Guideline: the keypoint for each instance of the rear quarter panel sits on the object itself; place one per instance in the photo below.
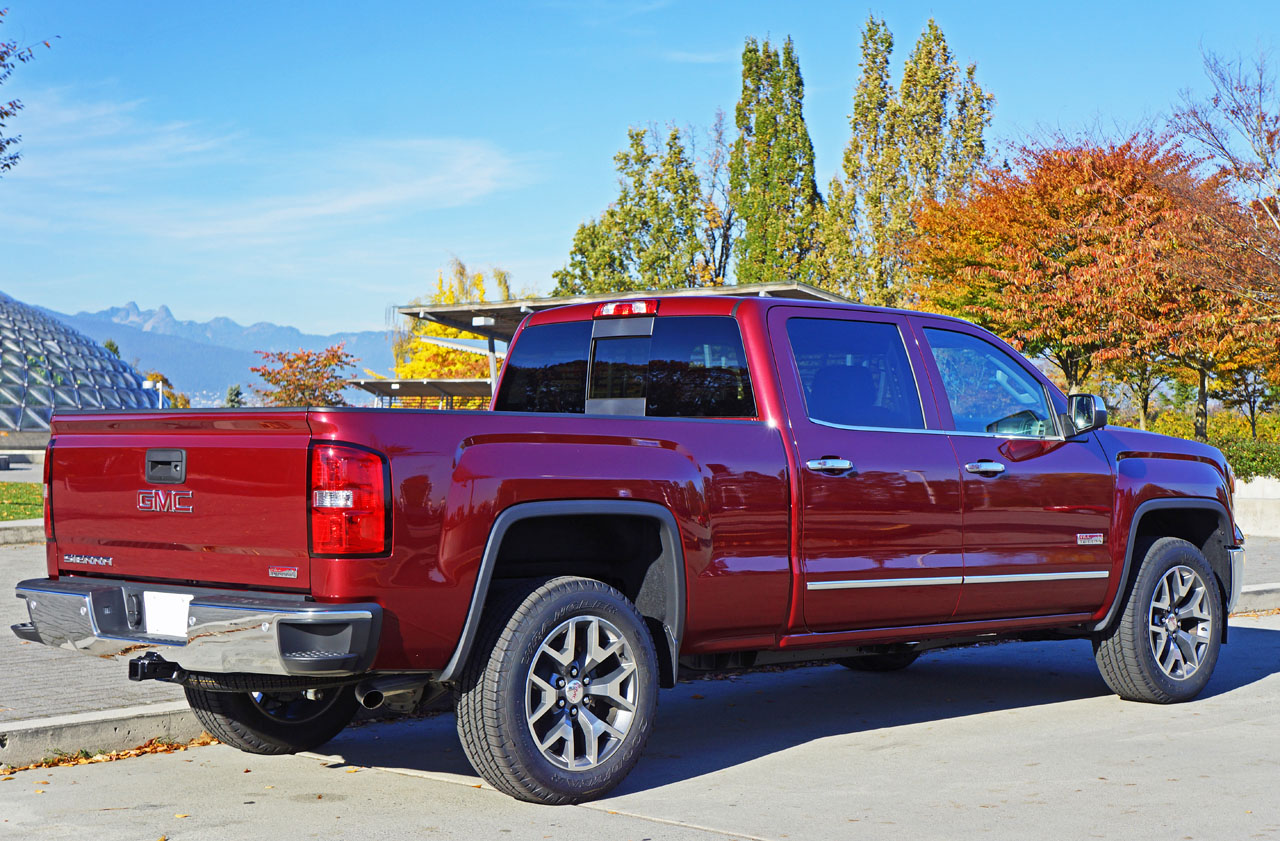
(452, 473)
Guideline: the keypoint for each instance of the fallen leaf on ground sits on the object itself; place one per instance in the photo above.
(149, 747)
(182, 815)
(353, 770)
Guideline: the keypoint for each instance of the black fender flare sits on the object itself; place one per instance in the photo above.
(1202, 503)
(672, 559)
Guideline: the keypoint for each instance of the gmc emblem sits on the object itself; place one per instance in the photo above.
(174, 502)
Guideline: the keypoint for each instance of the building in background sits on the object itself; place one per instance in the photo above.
(46, 366)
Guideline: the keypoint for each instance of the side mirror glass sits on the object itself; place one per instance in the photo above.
(1087, 412)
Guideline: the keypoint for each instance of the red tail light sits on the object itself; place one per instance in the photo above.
(48, 500)
(613, 309)
(348, 501)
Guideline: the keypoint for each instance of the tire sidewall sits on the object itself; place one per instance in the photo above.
(1163, 556)
(527, 637)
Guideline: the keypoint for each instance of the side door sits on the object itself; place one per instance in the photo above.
(879, 506)
(1037, 506)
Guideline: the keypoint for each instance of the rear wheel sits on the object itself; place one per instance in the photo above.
(1165, 644)
(559, 699)
(274, 722)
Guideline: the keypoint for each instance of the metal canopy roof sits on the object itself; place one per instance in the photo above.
(507, 315)
(400, 389)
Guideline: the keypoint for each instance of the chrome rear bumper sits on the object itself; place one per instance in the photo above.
(226, 631)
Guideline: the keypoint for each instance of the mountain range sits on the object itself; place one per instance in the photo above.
(203, 358)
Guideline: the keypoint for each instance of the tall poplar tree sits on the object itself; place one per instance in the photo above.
(771, 179)
(922, 141)
(650, 237)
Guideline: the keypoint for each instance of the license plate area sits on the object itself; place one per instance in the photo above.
(165, 614)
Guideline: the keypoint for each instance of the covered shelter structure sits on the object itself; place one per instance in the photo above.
(497, 321)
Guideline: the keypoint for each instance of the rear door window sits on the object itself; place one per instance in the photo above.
(855, 373)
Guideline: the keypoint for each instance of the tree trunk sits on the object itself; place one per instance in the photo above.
(1202, 407)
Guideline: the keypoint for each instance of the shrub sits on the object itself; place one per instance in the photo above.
(1250, 458)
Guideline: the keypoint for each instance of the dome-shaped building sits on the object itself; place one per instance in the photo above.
(46, 365)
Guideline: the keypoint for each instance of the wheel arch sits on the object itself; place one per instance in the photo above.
(657, 590)
(1176, 517)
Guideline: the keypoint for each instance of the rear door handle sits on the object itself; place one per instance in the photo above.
(829, 465)
(984, 467)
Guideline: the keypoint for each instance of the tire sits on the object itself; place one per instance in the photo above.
(889, 661)
(273, 722)
(559, 696)
(1165, 643)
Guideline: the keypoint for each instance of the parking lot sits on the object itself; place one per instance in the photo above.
(1005, 741)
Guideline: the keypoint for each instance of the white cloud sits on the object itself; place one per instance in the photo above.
(101, 165)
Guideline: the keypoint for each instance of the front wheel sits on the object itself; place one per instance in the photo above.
(274, 722)
(559, 699)
(1165, 644)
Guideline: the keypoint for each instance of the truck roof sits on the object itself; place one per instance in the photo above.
(678, 305)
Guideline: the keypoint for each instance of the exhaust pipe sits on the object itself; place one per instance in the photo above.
(372, 694)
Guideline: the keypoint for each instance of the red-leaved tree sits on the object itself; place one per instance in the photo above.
(304, 377)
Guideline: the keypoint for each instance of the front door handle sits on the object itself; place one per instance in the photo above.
(985, 467)
(829, 464)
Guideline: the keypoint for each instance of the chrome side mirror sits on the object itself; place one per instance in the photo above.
(1087, 412)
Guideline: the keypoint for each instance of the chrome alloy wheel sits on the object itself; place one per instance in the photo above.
(1180, 622)
(580, 695)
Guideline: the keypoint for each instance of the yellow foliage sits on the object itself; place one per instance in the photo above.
(417, 359)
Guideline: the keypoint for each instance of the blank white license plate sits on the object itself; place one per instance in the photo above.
(166, 613)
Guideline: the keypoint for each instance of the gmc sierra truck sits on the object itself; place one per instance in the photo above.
(661, 484)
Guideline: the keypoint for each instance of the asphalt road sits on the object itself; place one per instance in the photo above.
(1006, 741)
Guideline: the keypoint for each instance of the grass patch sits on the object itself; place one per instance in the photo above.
(21, 500)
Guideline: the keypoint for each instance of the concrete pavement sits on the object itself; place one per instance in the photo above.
(58, 700)
(1009, 742)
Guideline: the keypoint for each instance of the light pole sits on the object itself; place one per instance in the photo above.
(159, 387)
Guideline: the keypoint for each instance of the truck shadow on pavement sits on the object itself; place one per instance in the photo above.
(707, 725)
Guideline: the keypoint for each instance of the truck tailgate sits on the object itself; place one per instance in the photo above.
(234, 512)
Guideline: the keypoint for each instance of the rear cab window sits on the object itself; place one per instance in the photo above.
(672, 366)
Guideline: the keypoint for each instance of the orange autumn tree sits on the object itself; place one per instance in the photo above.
(1083, 252)
(1052, 253)
(304, 377)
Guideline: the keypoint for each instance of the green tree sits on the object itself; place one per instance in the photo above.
(111, 347)
(304, 377)
(771, 176)
(650, 236)
(11, 55)
(1139, 377)
(1250, 390)
(235, 397)
(921, 142)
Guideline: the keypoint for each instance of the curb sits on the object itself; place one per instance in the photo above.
(25, 742)
(1258, 598)
(22, 531)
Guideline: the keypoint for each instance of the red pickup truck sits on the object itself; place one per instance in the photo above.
(663, 484)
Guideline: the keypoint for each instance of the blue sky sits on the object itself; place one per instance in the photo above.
(313, 163)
